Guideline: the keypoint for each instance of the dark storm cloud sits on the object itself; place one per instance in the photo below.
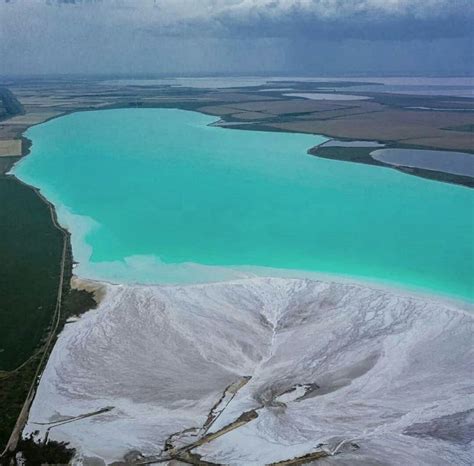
(224, 35)
(358, 26)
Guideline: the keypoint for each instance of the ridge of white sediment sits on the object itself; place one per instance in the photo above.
(323, 364)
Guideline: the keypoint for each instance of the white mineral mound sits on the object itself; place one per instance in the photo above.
(373, 377)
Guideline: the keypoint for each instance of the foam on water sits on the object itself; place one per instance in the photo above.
(158, 196)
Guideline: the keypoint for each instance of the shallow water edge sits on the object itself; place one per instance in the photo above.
(167, 271)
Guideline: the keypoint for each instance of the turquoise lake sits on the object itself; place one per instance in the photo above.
(158, 196)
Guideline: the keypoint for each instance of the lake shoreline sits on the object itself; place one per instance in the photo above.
(386, 344)
(18, 384)
(363, 155)
(341, 154)
(294, 272)
(27, 144)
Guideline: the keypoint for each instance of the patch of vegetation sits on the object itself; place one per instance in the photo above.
(14, 388)
(13, 391)
(6, 163)
(33, 453)
(31, 252)
(9, 104)
(346, 154)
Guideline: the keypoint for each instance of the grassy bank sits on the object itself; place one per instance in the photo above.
(31, 252)
(30, 249)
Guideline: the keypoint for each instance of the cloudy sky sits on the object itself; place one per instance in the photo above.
(316, 37)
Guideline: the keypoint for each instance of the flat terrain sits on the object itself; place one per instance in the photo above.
(29, 280)
(10, 147)
(31, 248)
(29, 270)
(259, 371)
(387, 117)
(412, 121)
(25, 310)
(410, 127)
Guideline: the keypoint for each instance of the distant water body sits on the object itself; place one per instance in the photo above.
(158, 196)
(459, 87)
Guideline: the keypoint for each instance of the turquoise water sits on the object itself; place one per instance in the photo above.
(156, 195)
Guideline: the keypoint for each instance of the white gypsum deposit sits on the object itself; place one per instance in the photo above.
(276, 368)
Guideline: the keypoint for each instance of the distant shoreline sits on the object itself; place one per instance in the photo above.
(370, 282)
(26, 144)
(363, 155)
(343, 154)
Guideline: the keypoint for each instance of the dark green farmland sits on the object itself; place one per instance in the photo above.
(31, 253)
(30, 257)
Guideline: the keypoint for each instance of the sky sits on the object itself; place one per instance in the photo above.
(256, 37)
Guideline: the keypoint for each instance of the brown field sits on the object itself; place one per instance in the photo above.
(417, 128)
(10, 147)
(384, 118)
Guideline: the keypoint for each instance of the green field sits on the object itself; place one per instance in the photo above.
(30, 254)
